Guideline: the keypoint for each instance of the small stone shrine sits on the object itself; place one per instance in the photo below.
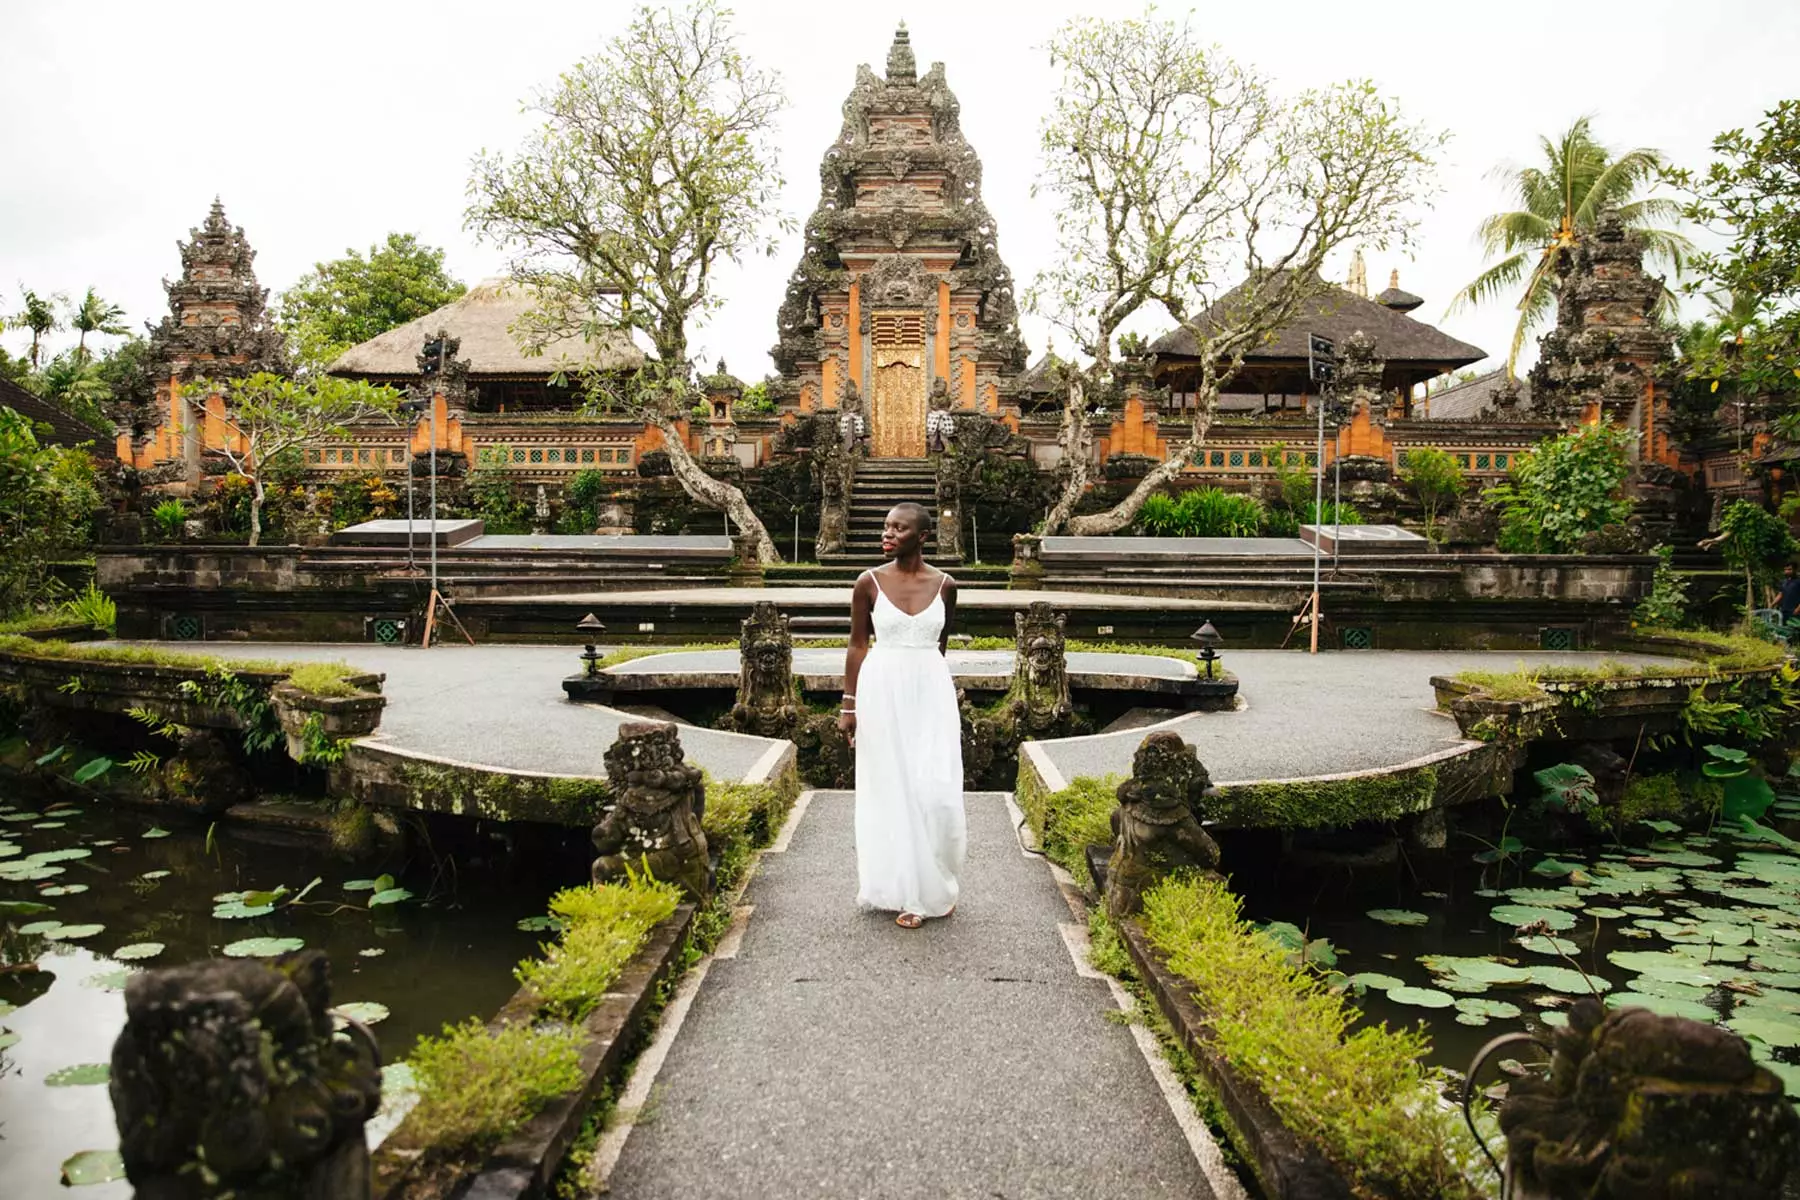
(1638, 1106)
(228, 1081)
(1156, 828)
(654, 821)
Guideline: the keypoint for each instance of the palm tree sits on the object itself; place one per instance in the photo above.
(1578, 180)
(94, 315)
(76, 383)
(39, 316)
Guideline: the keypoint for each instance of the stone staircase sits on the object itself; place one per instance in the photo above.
(880, 484)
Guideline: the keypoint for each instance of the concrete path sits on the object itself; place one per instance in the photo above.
(1308, 714)
(497, 706)
(964, 664)
(799, 597)
(836, 1054)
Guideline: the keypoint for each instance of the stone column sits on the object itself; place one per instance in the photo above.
(228, 1081)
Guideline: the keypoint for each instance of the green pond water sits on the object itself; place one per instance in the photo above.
(1702, 925)
(122, 882)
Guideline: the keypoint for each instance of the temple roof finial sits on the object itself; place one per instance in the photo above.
(901, 67)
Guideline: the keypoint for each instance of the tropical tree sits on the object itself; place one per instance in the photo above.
(47, 499)
(77, 383)
(94, 315)
(1567, 488)
(39, 316)
(1436, 478)
(654, 164)
(1559, 198)
(347, 301)
(270, 419)
(1756, 542)
(1179, 175)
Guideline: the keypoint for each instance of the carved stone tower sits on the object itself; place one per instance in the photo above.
(1608, 358)
(218, 327)
(900, 284)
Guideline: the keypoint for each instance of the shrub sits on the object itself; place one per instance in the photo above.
(1068, 821)
(1570, 486)
(323, 679)
(603, 926)
(170, 519)
(92, 607)
(476, 1087)
(1364, 1101)
(1436, 477)
(1667, 603)
(1202, 512)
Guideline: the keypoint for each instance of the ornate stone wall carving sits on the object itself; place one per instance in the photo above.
(1638, 1106)
(654, 823)
(765, 703)
(228, 1081)
(1156, 828)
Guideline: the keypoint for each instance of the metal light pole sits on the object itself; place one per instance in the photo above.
(1321, 366)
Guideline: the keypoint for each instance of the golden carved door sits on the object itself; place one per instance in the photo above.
(897, 401)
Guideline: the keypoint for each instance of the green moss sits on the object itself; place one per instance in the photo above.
(1318, 803)
(1363, 1100)
(501, 796)
(1504, 685)
(1667, 796)
(477, 1086)
(320, 675)
(325, 679)
(353, 830)
(1724, 651)
(604, 925)
(29, 622)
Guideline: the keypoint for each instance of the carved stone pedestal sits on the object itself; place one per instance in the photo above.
(1156, 828)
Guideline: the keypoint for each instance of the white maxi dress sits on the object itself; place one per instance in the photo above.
(911, 833)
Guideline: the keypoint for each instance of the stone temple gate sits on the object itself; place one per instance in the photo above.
(900, 302)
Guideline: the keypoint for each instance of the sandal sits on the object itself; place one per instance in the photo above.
(908, 920)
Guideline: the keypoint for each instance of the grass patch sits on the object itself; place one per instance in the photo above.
(1322, 803)
(1713, 652)
(1725, 651)
(325, 679)
(604, 925)
(1365, 1101)
(53, 619)
(1065, 822)
(320, 675)
(478, 1086)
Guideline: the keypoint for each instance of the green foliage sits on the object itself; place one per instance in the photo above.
(1563, 195)
(1667, 603)
(1570, 486)
(1522, 684)
(324, 679)
(39, 315)
(1319, 803)
(92, 606)
(1066, 822)
(1665, 796)
(47, 501)
(1756, 542)
(169, 518)
(1202, 512)
(491, 492)
(583, 495)
(1363, 1100)
(1436, 478)
(347, 301)
(476, 1086)
(1567, 786)
(604, 925)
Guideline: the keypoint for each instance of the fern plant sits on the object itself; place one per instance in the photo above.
(93, 607)
(170, 518)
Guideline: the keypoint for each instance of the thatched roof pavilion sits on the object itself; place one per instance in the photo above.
(502, 376)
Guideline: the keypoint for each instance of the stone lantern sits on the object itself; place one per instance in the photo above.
(722, 390)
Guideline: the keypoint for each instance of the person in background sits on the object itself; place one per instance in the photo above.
(1789, 599)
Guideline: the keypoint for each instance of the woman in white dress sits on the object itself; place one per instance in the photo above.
(900, 714)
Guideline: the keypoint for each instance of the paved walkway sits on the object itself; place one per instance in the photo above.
(836, 599)
(1308, 714)
(497, 706)
(964, 664)
(839, 1055)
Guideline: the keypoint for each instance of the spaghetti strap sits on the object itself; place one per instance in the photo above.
(876, 580)
(942, 575)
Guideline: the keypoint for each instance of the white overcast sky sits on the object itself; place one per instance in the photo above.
(325, 125)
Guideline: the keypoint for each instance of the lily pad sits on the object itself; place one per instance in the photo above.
(40, 928)
(1474, 1010)
(389, 896)
(1673, 988)
(1668, 1006)
(1554, 1020)
(1555, 868)
(237, 910)
(81, 1076)
(366, 1011)
(1548, 943)
(8, 1039)
(24, 908)
(55, 856)
(1421, 997)
(74, 933)
(155, 875)
(1605, 914)
(1476, 970)
(92, 1166)
(264, 947)
(1545, 897)
(138, 950)
(1376, 981)
(1526, 914)
(155, 831)
(1387, 916)
(371, 952)
(64, 889)
(360, 885)
(1567, 980)
(109, 981)
(1661, 826)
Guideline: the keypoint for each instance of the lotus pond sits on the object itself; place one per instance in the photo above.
(88, 895)
(1700, 924)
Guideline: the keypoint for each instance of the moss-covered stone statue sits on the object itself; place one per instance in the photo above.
(1039, 694)
(228, 1081)
(765, 703)
(1647, 1107)
(654, 822)
(1156, 828)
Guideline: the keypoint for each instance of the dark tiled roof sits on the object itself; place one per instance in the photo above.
(1337, 314)
(66, 429)
(1466, 401)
